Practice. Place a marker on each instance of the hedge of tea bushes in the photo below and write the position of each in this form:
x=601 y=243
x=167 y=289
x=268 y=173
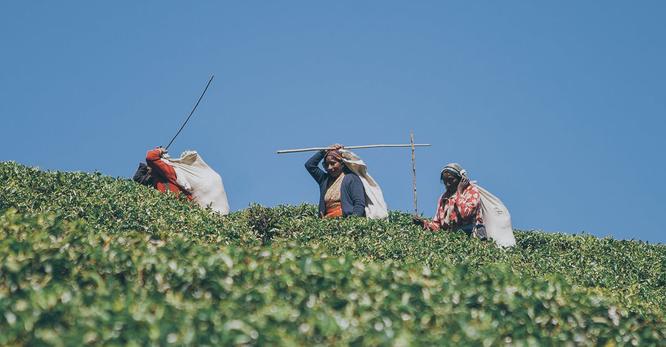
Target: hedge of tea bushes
x=116 y=205
x=634 y=272
x=85 y=251
x=68 y=283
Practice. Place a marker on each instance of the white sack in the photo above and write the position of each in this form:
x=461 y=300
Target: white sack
x=496 y=219
x=375 y=206
x=205 y=185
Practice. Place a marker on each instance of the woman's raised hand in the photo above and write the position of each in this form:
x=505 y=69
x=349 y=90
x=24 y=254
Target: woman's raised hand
x=464 y=183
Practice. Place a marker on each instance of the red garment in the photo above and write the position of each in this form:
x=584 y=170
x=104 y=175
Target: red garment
x=334 y=211
x=457 y=210
x=164 y=176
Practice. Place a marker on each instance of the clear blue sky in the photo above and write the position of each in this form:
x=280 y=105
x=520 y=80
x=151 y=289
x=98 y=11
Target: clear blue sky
x=558 y=108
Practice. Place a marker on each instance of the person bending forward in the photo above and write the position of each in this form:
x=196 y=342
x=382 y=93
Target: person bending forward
x=341 y=191
x=163 y=175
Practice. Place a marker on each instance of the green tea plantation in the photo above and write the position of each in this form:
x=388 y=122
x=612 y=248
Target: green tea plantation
x=87 y=259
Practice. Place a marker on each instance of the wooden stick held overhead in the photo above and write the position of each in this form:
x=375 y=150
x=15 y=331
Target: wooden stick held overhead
x=192 y=112
x=314 y=149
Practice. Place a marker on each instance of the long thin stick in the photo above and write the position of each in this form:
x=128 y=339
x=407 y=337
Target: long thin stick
x=411 y=139
x=314 y=149
x=193 y=109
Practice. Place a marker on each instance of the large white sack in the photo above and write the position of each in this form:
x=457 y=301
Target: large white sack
x=375 y=206
x=205 y=185
x=496 y=219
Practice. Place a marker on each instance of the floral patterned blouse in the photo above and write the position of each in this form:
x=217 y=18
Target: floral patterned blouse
x=457 y=210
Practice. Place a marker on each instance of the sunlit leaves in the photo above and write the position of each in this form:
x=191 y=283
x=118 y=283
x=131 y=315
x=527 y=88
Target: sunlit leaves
x=88 y=259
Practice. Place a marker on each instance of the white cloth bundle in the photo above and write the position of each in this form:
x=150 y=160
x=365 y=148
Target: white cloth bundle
x=205 y=185
x=375 y=206
x=496 y=219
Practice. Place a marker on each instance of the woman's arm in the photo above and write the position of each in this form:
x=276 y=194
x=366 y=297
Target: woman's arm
x=436 y=223
x=154 y=160
x=312 y=165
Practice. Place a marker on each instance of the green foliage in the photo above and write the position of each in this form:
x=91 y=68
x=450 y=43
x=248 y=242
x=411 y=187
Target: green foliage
x=112 y=205
x=262 y=220
x=633 y=272
x=87 y=259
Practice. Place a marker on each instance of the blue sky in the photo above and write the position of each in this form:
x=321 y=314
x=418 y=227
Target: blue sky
x=557 y=107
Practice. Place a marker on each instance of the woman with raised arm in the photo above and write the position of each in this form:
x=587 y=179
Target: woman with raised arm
x=459 y=207
x=341 y=192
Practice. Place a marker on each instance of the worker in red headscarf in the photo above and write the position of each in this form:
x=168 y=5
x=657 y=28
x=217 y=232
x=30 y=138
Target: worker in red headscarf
x=163 y=175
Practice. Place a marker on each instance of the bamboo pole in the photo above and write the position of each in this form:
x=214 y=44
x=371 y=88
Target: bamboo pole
x=314 y=149
x=411 y=139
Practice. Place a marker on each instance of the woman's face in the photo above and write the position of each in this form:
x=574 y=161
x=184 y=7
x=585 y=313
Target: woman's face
x=333 y=166
x=450 y=180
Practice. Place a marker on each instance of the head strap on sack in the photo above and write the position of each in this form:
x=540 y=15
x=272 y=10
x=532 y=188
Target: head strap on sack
x=335 y=155
x=352 y=162
x=454 y=169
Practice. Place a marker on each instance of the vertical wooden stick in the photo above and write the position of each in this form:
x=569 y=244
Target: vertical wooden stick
x=411 y=138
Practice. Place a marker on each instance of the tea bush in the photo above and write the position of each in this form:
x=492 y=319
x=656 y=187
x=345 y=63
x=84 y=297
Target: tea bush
x=88 y=259
x=112 y=205
x=632 y=271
